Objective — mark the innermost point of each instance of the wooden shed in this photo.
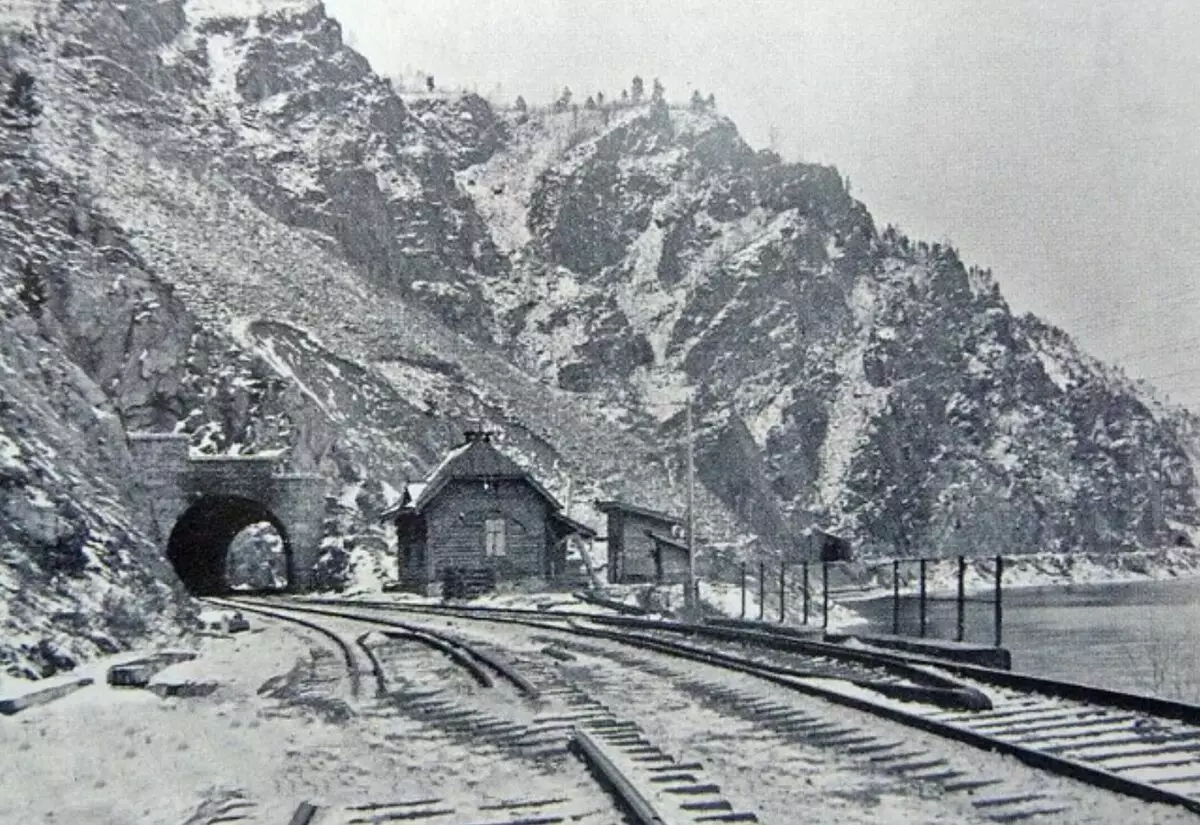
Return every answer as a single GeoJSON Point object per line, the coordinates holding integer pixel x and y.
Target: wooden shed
{"type": "Point", "coordinates": [631, 550]}
{"type": "Point", "coordinates": [670, 558]}
{"type": "Point", "coordinates": [479, 513]}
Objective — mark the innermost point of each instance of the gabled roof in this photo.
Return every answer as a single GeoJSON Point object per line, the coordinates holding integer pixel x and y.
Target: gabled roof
{"type": "Point", "coordinates": [609, 505]}
{"type": "Point", "coordinates": [476, 459]}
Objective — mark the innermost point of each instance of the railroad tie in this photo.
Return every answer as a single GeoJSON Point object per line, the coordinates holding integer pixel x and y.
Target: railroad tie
{"type": "Point", "coordinates": [969, 785]}
{"type": "Point", "coordinates": [1017, 816]}
{"type": "Point", "coordinates": [668, 778]}
{"type": "Point", "coordinates": [998, 801]}
{"type": "Point", "coordinates": [732, 816]}
{"type": "Point", "coordinates": [694, 789]}
{"type": "Point", "coordinates": [707, 805]}
{"type": "Point", "coordinates": [909, 767]}
{"type": "Point", "coordinates": [863, 750]}
{"type": "Point", "coordinates": [891, 757]}
{"type": "Point", "coordinates": [686, 766]}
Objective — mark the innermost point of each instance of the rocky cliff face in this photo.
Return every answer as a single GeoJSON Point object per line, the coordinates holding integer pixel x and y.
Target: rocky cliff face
{"type": "Point", "coordinates": [225, 224]}
{"type": "Point", "coordinates": [79, 572]}
{"type": "Point", "coordinates": [848, 376]}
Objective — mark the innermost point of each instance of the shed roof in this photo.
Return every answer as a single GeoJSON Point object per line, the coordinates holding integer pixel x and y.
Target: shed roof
{"type": "Point", "coordinates": [667, 541]}
{"type": "Point", "coordinates": [574, 526]}
{"type": "Point", "coordinates": [610, 505]}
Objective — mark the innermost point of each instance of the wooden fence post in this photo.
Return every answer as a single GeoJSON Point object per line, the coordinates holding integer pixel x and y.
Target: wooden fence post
{"type": "Point", "coordinates": [922, 599]}
{"type": "Point", "coordinates": [962, 597]}
{"type": "Point", "coordinates": [999, 607]}
{"type": "Point", "coordinates": [804, 572]}
{"type": "Point", "coordinates": [782, 591]}
{"type": "Point", "coordinates": [762, 589]}
{"type": "Point", "coordinates": [895, 597]}
{"type": "Point", "coordinates": [825, 595]}
{"type": "Point", "coordinates": [743, 590]}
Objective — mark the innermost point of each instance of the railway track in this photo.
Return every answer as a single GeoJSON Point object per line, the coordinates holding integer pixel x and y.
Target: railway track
{"type": "Point", "coordinates": [651, 786]}
{"type": "Point", "coordinates": [1139, 745]}
{"type": "Point", "coordinates": [1135, 745]}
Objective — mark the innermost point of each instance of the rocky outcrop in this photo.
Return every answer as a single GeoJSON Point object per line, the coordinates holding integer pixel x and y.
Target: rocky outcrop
{"type": "Point", "coordinates": [80, 572]}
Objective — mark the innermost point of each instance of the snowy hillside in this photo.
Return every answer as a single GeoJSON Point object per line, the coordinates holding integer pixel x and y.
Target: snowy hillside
{"type": "Point", "coordinates": [245, 235]}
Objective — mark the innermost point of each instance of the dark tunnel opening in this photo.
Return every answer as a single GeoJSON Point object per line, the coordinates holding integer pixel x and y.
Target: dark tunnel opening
{"type": "Point", "coordinates": [199, 546]}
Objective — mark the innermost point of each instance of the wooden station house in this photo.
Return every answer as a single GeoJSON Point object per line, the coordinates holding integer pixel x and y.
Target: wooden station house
{"type": "Point", "coordinates": [644, 545]}
{"type": "Point", "coordinates": [480, 515]}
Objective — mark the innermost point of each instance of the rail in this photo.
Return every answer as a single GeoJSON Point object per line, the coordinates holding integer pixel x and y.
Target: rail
{"type": "Point", "coordinates": [1075, 740]}
{"type": "Point", "coordinates": [626, 792]}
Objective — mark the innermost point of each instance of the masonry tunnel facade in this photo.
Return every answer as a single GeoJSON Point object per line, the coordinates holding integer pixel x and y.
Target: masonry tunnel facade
{"type": "Point", "coordinates": [200, 503]}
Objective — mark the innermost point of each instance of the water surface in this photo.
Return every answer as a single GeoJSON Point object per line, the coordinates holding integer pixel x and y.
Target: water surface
{"type": "Point", "coordinates": [1141, 636]}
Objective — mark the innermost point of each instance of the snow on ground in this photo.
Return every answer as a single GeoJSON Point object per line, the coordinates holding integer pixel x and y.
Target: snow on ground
{"type": "Point", "coordinates": [771, 415]}
{"type": "Point", "coordinates": [502, 186]}
{"type": "Point", "coordinates": [368, 570]}
{"type": "Point", "coordinates": [272, 735]}
{"type": "Point", "coordinates": [24, 13]}
{"type": "Point", "coordinates": [776, 774]}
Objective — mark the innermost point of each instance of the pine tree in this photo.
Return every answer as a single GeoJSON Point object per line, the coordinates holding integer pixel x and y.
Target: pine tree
{"type": "Point", "coordinates": [21, 107]}
{"type": "Point", "coordinates": [638, 89]}
{"type": "Point", "coordinates": [659, 92]}
{"type": "Point", "coordinates": [520, 105]}
{"type": "Point", "coordinates": [564, 100]}
{"type": "Point", "coordinates": [712, 100]}
{"type": "Point", "coordinates": [429, 84]}
{"type": "Point", "coordinates": [590, 104]}
{"type": "Point", "coordinates": [697, 101]}
{"type": "Point", "coordinates": [600, 99]}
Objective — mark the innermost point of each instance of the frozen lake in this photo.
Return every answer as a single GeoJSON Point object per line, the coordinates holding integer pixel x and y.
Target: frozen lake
{"type": "Point", "coordinates": [1141, 636]}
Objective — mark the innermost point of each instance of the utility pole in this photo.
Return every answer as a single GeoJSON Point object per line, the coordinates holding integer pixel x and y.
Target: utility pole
{"type": "Point", "coordinates": [689, 592]}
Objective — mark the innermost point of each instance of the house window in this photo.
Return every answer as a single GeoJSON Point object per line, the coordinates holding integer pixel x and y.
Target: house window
{"type": "Point", "coordinates": [495, 540]}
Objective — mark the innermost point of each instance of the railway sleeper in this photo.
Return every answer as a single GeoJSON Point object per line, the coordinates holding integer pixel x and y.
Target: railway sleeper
{"type": "Point", "coordinates": [694, 790]}
{"type": "Point", "coordinates": [1089, 726]}
{"type": "Point", "coordinates": [940, 777]}
{"type": "Point", "coordinates": [668, 778]}
{"type": "Point", "coordinates": [910, 767]}
{"type": "Point", "coordinates": [1034, 737]}
{"type": "Point", "coordinates": [1002, 801]}
{"type": "Point", "coordinates": [969, 786]}
{"type": "Point", "coordinates": [1017, 816]}
{"type": "Point", "coordinates": [732, 816]}
{"type": "Point", "coordinates": [1020, 722]}
{"type": "Point", "coordinates": [864, 750]}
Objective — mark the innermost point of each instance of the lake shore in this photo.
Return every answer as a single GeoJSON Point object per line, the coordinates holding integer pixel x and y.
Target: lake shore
{"type": "Point", "coordinates": [1033, 571]}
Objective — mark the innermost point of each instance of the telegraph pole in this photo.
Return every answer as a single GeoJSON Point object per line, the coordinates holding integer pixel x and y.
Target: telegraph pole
{"type": "Point", "coordinates": [689, 592]}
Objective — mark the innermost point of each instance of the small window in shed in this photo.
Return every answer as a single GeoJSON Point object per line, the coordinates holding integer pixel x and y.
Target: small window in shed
{"type": "Point", "coordinates": [494, 537]}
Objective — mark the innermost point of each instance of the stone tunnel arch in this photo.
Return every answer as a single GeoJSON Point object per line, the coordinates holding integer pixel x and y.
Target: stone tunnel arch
{"type": "Point", "coordinates": [199, 503]}
{"type": "Point", "coordinates": [198, 547]}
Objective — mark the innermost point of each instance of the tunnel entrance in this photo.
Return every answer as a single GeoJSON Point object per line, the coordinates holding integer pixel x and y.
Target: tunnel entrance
{"type": "Point", "coordinates": [202, 540]}
{"type": "Point", "coordinates": [256, 559]}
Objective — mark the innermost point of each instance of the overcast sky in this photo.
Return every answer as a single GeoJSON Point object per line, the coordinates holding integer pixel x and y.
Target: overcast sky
{"type": "Point", "coordinates": [1056, 142]}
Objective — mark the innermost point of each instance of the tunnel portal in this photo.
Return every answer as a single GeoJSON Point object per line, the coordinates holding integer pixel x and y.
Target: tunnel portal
{"type": "Point", "coordinates": [199, 503]}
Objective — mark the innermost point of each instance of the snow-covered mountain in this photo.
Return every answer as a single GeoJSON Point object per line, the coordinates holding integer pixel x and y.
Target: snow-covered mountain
{"type": "Point", "coordinates": [224, 223]}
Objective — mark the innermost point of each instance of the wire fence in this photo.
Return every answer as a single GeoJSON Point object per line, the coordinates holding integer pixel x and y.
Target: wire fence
{"type": "Point", "coordinates": [811, 592]}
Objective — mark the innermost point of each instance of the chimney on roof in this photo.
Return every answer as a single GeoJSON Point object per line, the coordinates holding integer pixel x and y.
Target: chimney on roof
{"type": "Point", "coordinates": [476, 431]}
